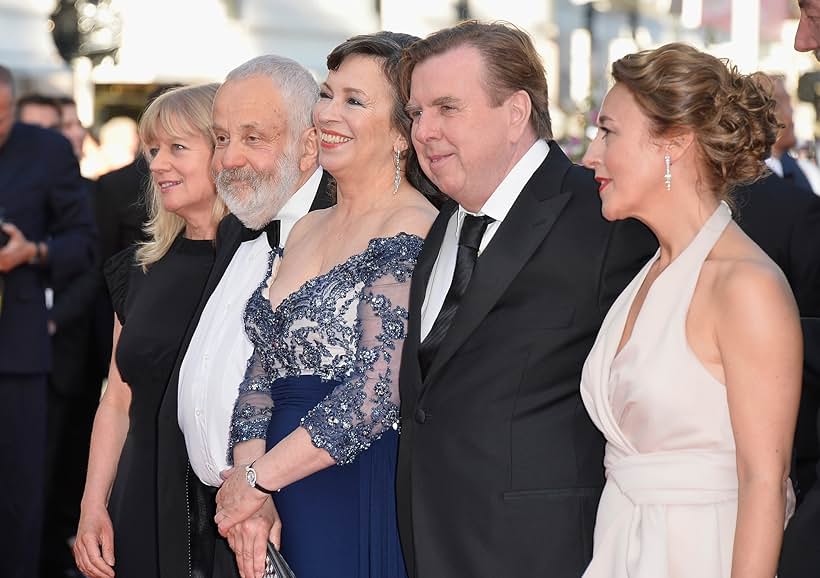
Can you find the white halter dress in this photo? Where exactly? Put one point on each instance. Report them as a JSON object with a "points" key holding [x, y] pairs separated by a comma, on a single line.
{"points": [[669, 505]]}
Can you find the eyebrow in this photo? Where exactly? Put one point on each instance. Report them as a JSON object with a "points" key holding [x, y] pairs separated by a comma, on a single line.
{"points": [[345, 89], [603, 118], [440, 101]]}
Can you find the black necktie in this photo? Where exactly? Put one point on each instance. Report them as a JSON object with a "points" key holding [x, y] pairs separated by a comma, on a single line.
{"points": [[472, 231], [271, 230]]}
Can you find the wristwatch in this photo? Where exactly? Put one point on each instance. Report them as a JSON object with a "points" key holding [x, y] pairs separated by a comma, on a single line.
{"points": [[250, 476]]}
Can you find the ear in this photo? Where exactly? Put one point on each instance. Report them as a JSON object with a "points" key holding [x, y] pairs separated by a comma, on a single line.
{"points": [[680, 144], [400, 144], [519, 107], [309, 156]]}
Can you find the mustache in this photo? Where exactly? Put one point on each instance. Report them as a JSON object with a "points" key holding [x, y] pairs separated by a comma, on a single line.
{"points": [[237, 175]]}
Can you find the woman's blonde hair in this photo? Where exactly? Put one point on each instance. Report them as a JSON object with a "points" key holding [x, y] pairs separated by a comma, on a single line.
{"points": [[179, 112]]}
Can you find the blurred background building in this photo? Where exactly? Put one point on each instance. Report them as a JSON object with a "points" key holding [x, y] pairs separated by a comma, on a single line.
{"points": [[110, 54]]}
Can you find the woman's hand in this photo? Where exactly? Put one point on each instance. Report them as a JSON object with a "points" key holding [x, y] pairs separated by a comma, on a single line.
{"points": [[236, 500], [249, 539], [94, 546]]}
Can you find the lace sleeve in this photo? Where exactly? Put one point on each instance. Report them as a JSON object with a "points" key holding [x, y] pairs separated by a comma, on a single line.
{"points": [[358, 411], [253, 407]]}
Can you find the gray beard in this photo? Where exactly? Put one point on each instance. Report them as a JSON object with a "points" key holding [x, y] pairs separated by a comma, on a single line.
{"points": [[256, 198]]}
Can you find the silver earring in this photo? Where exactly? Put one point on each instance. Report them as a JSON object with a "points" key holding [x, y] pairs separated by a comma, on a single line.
{"points": [[667, 176], [397, 176]]}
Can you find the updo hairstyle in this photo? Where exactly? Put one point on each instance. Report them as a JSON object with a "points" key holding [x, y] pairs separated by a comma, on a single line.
{"points": [[732, 115]]}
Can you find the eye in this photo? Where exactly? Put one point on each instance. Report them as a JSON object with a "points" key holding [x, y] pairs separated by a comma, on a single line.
{"points": [[414, 113], [221, 140], [353, 101], [324, 94], [251, 138], [178, 147], [604, 132], [153, 151]]}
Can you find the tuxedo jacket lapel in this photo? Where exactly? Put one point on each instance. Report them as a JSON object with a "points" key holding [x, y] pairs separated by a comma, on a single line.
{"points": [[526, 225], [421, 277]]}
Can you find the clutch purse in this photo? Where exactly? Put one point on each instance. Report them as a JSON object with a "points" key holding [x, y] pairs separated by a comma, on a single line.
{"points": [[275, 565]]}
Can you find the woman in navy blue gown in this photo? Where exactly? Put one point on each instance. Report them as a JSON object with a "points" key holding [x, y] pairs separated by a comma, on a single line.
{"points": [[328, 328]]}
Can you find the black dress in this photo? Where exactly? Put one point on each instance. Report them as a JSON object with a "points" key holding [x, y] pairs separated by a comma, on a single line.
{"points": [[154, 309]]}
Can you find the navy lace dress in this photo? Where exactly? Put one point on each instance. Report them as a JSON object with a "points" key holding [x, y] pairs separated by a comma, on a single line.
{"points": [[328, 359]]}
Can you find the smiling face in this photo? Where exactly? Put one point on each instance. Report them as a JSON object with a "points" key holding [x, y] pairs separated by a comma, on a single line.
{"points": [[256, 160], [353, 117], [180, 168], [628, 164], [461, 138]]}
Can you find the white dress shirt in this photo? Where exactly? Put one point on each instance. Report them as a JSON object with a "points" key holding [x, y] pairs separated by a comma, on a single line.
{"points": [[216, 359], [497, 207]]}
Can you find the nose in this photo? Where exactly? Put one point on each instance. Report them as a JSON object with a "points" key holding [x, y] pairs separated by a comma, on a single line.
{"points": [[804, 40], [591, 157], [159, 164], [229, 156], [425, 128], [324, 111]]}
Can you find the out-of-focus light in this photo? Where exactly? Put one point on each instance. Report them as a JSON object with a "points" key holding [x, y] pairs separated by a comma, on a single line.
{"points": [[691, 13], [580, 57]]}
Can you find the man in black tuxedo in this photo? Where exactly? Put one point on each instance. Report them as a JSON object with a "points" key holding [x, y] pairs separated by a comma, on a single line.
{"points": [[266, 167], [500, 469], [48, 234]]}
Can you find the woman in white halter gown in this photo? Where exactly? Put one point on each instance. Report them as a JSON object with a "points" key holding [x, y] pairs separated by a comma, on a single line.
{"points": [[694, 378]]}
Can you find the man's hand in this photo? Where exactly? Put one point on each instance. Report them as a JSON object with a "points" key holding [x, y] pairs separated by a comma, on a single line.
{"points": [[18, 251], [236, 500], [249, 539]]}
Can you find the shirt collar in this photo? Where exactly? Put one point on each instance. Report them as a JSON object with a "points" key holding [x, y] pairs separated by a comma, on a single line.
{"points": [[298, 205], [505, 195]]}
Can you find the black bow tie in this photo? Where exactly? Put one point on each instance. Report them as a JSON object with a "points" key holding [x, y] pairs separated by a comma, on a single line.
{"points": [[271, 230]]}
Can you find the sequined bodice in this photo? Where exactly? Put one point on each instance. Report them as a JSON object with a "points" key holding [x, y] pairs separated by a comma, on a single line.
{"points": [[346, 326], [316, 329]]}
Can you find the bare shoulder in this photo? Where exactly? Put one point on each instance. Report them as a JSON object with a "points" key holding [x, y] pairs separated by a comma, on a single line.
{"points": [[413, 218], [748, 290], [303, 227]]}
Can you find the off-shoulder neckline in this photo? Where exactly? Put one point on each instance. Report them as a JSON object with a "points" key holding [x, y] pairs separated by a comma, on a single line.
{"points": [[335, 268]]}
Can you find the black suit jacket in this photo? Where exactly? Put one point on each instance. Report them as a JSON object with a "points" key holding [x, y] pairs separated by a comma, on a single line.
{"points": [[500, 468], [120, 207], [42, 193], [175, 503]]}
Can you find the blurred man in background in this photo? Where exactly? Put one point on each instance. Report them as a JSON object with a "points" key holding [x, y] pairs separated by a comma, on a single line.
{"points": [[47, 234]]}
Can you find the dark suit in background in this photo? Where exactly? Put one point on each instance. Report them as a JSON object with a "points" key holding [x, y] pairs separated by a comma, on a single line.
{"points": [[43, 195], [500, 468], [785, 221], [186, 506]]}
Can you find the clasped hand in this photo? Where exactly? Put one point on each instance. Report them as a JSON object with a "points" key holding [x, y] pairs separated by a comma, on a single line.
{"points": [[17, 251], [248, 519]]}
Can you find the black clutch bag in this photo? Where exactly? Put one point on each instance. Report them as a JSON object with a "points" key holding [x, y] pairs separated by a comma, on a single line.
{"points": [[275, 565]]}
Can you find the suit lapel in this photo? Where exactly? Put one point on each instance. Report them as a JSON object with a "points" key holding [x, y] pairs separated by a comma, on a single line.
{"points": [[324, 197], [421, 277], [526, 225]]}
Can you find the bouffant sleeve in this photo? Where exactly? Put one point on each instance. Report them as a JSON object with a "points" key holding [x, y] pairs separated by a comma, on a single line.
{"points": [[117, 271]]}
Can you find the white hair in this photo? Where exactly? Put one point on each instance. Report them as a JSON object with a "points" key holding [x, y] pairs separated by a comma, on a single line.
{"points": [[298, 87]]}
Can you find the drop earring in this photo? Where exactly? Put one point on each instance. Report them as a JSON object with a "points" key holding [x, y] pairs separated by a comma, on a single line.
{"points": [[397, 176], [667, 176]]}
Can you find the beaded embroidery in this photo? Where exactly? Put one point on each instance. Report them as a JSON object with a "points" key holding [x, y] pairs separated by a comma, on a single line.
{"points": [[346, 325]]}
